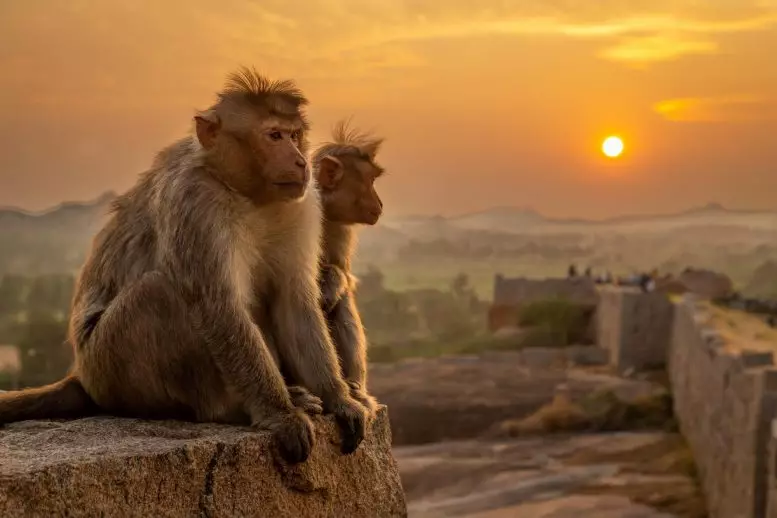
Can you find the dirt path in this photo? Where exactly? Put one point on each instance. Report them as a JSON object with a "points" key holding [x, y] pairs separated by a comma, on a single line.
{"points": [[578, 476]]}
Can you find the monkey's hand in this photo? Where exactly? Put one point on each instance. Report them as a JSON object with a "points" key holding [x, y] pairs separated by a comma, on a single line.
{"points": [[334, 283], [351, 417], [360, 394], [292, 432], [304, 400]]}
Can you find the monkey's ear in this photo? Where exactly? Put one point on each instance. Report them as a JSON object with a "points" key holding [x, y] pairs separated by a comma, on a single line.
{"points": [[330, 172], [207, 125]]}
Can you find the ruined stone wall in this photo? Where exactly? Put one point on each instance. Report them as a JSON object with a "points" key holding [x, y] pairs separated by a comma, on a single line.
{"points": [[725, 400], [725, 397], [635, 327]]}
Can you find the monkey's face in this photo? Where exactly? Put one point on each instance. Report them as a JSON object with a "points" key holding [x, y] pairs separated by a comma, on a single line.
{"points": [[260, 158], [348, 190], [278, 165]]}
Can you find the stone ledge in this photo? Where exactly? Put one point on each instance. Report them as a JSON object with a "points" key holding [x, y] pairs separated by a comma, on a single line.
{"points": [[127, 467]]}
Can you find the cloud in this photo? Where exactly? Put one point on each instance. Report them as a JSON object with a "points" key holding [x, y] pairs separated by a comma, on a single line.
{"points": [[642, 50], [736, 108]]}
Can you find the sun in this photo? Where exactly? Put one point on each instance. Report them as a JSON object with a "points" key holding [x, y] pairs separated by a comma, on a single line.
{"points": [[612, 146]]}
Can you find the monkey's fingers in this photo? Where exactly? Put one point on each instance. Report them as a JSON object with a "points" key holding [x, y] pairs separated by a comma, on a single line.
{"points": [[294, 437], [369, 402], [329, 299], [306, 401], [352, 420]]}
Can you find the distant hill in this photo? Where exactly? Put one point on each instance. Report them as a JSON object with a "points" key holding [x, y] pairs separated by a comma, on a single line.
{"points": [[512, 220], [57, 240], [52, 241]]}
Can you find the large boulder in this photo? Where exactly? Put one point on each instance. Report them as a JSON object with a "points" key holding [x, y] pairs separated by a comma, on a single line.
{"points": [[708, 284], [126, 467]]}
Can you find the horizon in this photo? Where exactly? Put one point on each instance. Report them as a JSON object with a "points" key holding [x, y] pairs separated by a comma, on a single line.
{"points": [[503, 104], [711, 205]]}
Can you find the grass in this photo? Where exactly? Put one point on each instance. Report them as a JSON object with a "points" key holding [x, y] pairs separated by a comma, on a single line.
{"points": [[407, 275], [432, 348], [602, 411], [741, 330]]}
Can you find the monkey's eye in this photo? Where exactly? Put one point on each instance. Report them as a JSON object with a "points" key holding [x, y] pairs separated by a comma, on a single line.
{"points": [[296, 136], [276, 135]]}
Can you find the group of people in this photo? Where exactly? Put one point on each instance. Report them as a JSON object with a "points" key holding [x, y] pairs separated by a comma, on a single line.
{"points": [[645, 281]]}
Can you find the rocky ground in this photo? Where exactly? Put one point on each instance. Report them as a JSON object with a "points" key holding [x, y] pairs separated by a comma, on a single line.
{"points": [[449, 398], [443, 409]]}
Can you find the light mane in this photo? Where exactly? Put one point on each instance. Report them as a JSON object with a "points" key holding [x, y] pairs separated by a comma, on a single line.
{"points": [[349, 141]]}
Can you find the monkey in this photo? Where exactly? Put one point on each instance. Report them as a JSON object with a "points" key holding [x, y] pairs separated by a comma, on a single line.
{"points": [[346, 170], [226, 220]]}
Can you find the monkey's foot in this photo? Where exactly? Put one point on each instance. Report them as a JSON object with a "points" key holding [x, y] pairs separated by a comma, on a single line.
{"points": [[360, 394], [305, 401], [351, 417], [293, 434], [369, 402]]}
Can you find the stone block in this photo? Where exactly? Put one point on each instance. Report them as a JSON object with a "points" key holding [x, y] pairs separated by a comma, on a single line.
{"points": [[126, 467]]}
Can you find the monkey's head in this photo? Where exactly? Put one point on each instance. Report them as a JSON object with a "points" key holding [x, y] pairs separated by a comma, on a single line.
{"points": [[255, 138], [346, 171]]}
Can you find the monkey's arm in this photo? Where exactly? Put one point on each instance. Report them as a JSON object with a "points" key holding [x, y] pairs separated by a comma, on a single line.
{"points": [[196, 249], [351, 343], [304, 343], [309, 355], [334, 283]]}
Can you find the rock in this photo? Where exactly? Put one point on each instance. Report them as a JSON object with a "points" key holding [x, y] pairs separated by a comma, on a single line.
{"points": [[543, 357], [587, 355], [706, 283], [125, 467]]}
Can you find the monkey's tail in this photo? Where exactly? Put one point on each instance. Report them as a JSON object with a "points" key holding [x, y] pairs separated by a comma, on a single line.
{"points": [[65, 399]]}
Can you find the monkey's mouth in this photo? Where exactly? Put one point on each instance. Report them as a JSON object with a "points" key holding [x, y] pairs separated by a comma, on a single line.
{"points": [[290, 186]]}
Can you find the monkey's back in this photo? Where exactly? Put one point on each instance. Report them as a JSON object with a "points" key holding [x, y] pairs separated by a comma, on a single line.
{"points": [[122, 251]]}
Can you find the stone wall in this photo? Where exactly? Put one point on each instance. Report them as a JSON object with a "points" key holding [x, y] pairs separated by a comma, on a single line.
{"points": [[725, 400], [725, 396], [126, 467], [635, 327], [771, 490]]}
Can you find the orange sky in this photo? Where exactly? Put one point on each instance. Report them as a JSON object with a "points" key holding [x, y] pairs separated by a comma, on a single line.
{"points": [[502, 104]]}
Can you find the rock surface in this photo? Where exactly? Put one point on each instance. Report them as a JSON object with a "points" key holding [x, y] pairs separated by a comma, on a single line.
{"points": [[453, 398], [574, 476], [126, 467]]}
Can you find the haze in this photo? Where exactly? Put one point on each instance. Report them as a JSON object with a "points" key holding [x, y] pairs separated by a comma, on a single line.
{"points": [[505, 103]]}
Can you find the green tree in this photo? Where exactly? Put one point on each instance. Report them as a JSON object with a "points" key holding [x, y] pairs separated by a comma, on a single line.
{"points": [[44, 352]]}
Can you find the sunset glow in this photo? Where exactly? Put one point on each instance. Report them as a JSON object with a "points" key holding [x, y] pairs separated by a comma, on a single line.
{"points": [[460, 90], [612, 147]]}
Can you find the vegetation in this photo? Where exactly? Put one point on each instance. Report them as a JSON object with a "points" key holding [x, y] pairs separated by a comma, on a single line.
{"points": [[33, 316], [602, 411], [555, 322]]}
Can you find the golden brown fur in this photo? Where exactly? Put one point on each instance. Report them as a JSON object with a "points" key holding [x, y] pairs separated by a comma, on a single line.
{"points": [[225, 225], [346, 171]]}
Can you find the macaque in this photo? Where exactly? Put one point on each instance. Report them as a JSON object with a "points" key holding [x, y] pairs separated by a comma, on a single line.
{"points": [[346, 170], [225, 221]]}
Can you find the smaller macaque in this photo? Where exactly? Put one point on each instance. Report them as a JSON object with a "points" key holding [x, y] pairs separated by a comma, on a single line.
{"points": [[346, 170]]}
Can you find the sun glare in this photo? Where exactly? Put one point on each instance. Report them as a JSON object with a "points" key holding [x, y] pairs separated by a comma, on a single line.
{"points": [[612, 147]]}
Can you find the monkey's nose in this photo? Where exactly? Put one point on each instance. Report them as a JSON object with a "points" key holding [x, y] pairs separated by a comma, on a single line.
{"points": [[301, 163]]}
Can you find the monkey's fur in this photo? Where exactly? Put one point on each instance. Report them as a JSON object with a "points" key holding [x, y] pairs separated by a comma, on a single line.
{"points": [[346, 171], [224, 225]]}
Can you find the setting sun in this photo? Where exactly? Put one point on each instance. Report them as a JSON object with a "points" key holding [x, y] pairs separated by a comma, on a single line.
{"points": [[612, 147]]}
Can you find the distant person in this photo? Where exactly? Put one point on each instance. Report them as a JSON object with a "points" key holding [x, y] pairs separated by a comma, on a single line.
{"points": [[572, 272], [646, 283], [588, 272]]}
